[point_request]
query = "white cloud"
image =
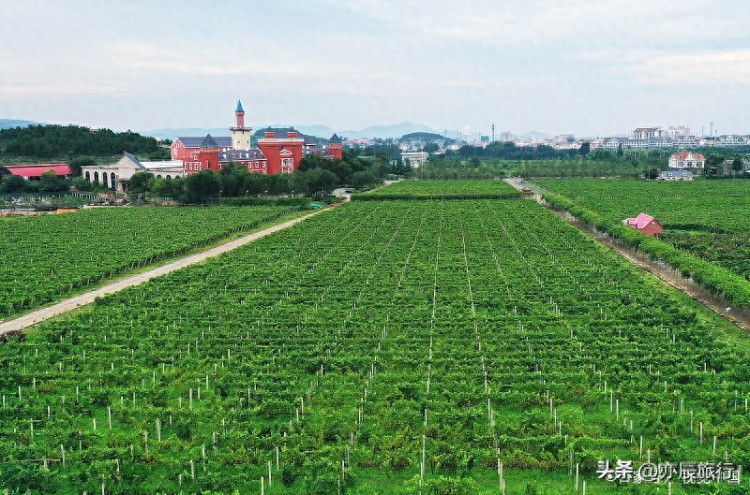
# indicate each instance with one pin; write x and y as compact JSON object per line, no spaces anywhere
{"x":61,"y":88}
{"x":726,"y":68}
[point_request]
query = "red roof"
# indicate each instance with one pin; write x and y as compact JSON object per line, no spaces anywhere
{"x":37,"y":169}
{"x":683,"y":155}
{"x":640,"y":222}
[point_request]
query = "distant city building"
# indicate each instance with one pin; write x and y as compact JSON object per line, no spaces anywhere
{"x":564,"y":139}
{"x":416,"y":158}
{"x":675,"y":174}
{"x":611,"y":143}
{"x":732,"y":140}
{"x":646,"y":133}
{"x":34,"y":171}
{"x":687,"y":159}
{"x":660,"y":142}
{"x":676,"y":131}
{"x":686,"y":141}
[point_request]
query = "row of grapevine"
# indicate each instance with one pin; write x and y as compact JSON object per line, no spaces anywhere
{"x":43,"y":258}
{"x":716,"y":279}
{"x":401,"y":347}
{"x":441,"y":189}
{"x":709,"y":219}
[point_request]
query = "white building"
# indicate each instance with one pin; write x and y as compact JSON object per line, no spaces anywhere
{"x":686,"y":159}
{"x":674,"y":174}
{"x":676,"y":131}
{"x":117,"y":175}
{"x":416,"y":158}
{"x":647,"y":132}
{"x":731,"y":140}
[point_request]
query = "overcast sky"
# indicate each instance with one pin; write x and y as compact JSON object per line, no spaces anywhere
{"x":557,"y":66}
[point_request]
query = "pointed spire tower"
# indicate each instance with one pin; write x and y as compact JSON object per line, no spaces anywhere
{"x":240,"y":134}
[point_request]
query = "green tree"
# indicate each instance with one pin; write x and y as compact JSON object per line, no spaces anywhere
{"x":319,"y":183}
{"x":140,"y":182}
{"x":620,"y":152}
{"x":13,"y":184}
{"x":81,"y":184}
{"x":203,"y":187}
{"x":168,"y":188}
{"x":50,"y":182}
{"x":231,"y":181}
{"x":365,"y":178}
{"x":737,"y":165}
{"x":77,"y":163}
{"x":585,"y":149}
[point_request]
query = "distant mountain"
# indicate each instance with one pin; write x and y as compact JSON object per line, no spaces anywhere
{"x":186,"y":131}
{"x":322,"y":131}
{"x":535,"y":135}
{"x":426,"y":137}
{"x":388,"y":131}
{"x":8,"y":123}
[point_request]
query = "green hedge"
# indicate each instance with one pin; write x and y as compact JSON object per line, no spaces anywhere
{"x":254,"y":201}
{"x":430,"y":197}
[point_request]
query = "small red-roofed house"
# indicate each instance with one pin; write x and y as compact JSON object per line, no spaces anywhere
{"x":646,"y":224}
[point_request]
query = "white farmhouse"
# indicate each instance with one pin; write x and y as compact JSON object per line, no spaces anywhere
{"x":687,"y":159}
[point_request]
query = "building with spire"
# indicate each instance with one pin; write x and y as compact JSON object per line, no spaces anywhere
{"x":274,"y":152}
{"x":241,"y":135}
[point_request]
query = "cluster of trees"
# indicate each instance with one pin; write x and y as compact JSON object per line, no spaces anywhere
{"x":354,"y":170}
{"x":597,"y":163}
{"x":208,"y":186}
{"x":49,"y":182}
{"x":316,"y":177}
{"x":509,"y":151}
{"x":65,"y":142}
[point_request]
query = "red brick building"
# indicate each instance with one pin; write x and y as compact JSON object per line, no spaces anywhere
{"x":276,"y":152}
{"x":283,"y":152}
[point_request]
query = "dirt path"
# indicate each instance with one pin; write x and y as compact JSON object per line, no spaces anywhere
{"x":661,"y":270}
{"x":67,"y":305}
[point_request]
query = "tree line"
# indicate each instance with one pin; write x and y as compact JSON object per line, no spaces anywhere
{"x":70,"y":141}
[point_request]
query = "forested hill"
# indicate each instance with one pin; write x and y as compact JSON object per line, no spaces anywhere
{"x":64,"y":142}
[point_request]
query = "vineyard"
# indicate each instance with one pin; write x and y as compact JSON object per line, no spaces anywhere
{"x":402,"y":347}
{"x":45,"y":257}
{"x":442,"y":189}
{"x":710,"y":219}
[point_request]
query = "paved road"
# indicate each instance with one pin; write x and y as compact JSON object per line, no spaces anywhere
{"x":75,"y":302}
